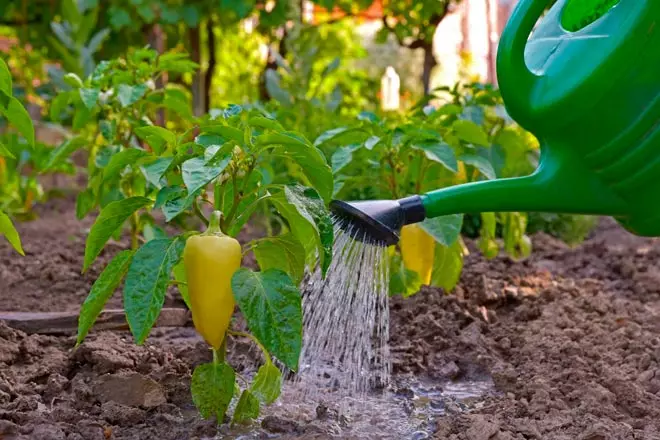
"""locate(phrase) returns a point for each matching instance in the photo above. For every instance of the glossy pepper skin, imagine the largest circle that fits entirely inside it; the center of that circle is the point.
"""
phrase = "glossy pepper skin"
(210, 260)
(418, 251)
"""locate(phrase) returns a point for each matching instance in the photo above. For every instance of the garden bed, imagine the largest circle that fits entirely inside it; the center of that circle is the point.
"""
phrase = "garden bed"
(570, 340)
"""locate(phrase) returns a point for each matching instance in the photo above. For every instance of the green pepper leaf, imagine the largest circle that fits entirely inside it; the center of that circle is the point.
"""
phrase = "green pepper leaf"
(284, 252)
(66, 149)
(85, 201)
(447, 265)
(18, 116)
(5, 79)
(197, 173)
(4, 152)
(226, 132)
(445, 229)
(480, 163)
(173, 200)
(267, 383)
(247, 408)
(272, 306)
(262, 122)
(129, 95)
(403, 281)
(119, 161)
(470, 132)
(58, 104)
(11, 234)
(309, 221)
(89, 96)
(155, 170)
(311, 159)
(439, 152)
(155, 131)
(109, 220)
(101, 291)
(212, 388)
(146, 283)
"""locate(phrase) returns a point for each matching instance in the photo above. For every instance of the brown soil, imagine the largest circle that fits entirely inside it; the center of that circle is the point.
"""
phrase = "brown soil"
(571, 338)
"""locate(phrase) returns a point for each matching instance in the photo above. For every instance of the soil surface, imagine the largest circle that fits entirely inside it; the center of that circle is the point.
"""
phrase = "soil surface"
(569, 337)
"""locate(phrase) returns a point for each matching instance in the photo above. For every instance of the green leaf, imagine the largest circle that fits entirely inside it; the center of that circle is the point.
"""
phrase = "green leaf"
(109, 220)
(284, 252)
(179, 273)
(212, 387)
(155, 170)
(208, 140)
(146, 283)
(308, 219)
(470, 132)
(4, 152)
(11, 234)
(129, 95)
(445, 229)
(81, 117)
(58, 104)
(5, 79)
(330, 135)
(403, 281)
(89, 96)
(262, 122)
(121, 160)
(370, 143)
(311, 160)
(341, 157)
(18, 116)
(173, 200)
(101, 291)
(480, 163)
(247, 408)
(85, 202)
(157, 132)
(197, 173)
(439, 152)
(66, 149)
(272, 307)
(267, 384)
(108, 129)
(73, 80)
(226, 132)
(447, 265)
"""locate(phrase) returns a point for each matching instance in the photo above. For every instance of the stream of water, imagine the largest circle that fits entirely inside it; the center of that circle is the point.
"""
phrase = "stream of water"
(346, 319)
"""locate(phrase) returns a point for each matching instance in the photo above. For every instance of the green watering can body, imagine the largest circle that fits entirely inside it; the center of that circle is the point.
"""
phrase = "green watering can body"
(592, 98)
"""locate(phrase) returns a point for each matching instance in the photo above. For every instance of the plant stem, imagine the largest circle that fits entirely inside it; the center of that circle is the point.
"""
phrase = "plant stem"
(177, 283)
(255, 340)
(219, 354)
(198, 212)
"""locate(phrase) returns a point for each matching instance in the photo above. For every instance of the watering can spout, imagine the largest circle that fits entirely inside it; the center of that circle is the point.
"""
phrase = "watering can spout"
(559, 185)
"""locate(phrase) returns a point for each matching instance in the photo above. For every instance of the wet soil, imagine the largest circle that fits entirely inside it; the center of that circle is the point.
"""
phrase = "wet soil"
(570, 339)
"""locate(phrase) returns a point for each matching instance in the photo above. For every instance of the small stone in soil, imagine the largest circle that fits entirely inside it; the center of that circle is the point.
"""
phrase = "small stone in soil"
(277, 425)
(131, 389)
(419, 435)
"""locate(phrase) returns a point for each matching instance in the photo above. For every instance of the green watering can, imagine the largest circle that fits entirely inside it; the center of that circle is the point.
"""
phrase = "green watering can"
(592, 98)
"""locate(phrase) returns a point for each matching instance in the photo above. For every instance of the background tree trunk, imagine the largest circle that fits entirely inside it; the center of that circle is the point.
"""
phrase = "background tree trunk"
(198, 89)
(210, 71)
(429, 63)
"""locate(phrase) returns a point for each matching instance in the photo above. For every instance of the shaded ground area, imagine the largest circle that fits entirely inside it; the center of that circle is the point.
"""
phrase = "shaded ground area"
(570, 337)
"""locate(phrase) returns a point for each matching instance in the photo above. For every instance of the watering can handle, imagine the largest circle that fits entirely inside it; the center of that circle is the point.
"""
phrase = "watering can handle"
(516, 81)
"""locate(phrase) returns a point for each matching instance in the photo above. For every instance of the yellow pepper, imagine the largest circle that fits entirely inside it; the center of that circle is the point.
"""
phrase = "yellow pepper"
(210, 260)
(418, 251)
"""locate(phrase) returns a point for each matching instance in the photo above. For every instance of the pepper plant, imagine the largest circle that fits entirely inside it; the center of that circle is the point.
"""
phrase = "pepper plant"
(221, 162)
(464, 139)
(17, 116)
